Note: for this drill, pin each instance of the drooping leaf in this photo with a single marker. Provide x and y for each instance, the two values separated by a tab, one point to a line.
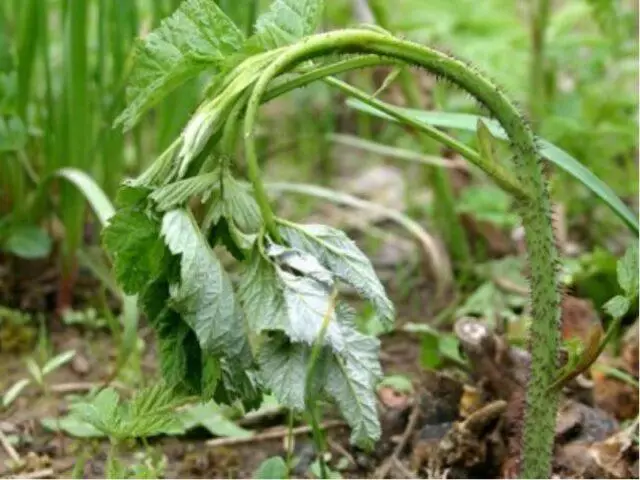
27	241
351	380
238	383
204	295
132	238
178	193
551	152
235	202
343	258
288	21
284	369
198	36
101	412
307	288
261	295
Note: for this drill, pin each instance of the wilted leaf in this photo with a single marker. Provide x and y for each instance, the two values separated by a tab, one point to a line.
204	295
284	370
343	258
351	381
261	295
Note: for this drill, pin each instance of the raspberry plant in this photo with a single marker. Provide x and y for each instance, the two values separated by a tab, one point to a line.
284	327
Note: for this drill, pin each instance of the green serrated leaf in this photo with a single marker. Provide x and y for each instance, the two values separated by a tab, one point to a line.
351	381
343	258
288	21
235	202
101	412
178	193
617	307
204	295
261	295
284	370
198	36
238	384
628	271
132	238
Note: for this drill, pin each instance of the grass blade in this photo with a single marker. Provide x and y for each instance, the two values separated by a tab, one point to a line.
557	156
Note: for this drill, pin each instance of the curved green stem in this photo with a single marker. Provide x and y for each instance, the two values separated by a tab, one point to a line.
539	421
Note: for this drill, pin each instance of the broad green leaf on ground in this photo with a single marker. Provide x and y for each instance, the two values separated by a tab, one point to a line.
343	258
132	238
27	241
178	193
351	380
284	370
307	288
212	417
261	295
288	21
554	154
198	36
627	269
204	295
71	425
272	468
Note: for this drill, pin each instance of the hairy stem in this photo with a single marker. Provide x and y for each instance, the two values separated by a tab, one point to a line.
540	415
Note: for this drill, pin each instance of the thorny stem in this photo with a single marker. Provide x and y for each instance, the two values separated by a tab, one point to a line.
539	421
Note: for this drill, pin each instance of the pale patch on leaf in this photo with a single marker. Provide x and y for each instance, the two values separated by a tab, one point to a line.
307	289
335	251
628	271
198	36
204	296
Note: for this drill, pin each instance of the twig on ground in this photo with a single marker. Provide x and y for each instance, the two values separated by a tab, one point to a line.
271	434
13	454
335	446
383	470
44	473
83	387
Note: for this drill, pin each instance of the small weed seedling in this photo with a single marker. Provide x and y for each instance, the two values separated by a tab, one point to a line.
38	374
285	327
